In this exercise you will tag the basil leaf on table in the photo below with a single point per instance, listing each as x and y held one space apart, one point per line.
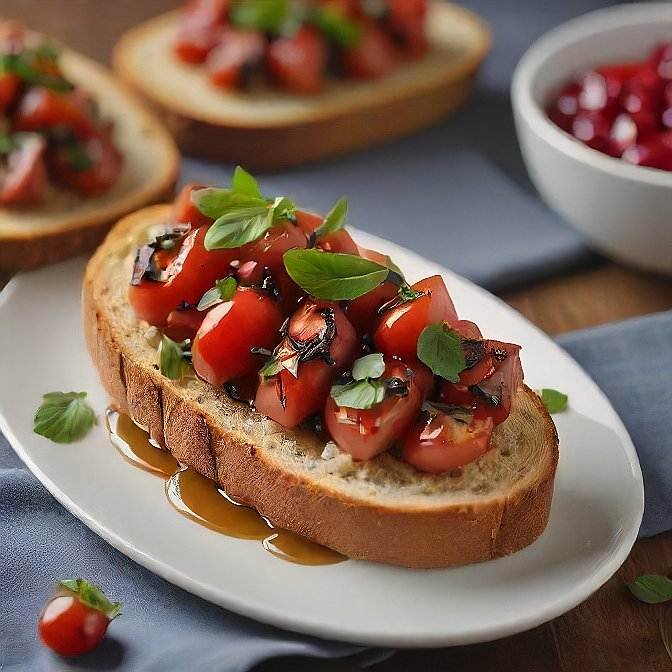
651 588
440 348
64 417
333 276
555 401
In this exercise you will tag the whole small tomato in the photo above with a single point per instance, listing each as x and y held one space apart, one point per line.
74 621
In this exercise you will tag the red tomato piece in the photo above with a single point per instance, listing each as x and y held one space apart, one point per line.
363 311
441 443
399 328
299 62
364 433
185 211
40 109
183 324
23 179
373 56
341 241
321 331
230 61
191 270
9 87
406 20
200 29
222 349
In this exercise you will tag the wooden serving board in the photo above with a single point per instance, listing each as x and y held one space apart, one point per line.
269 129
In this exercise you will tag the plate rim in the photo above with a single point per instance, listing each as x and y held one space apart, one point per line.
372 637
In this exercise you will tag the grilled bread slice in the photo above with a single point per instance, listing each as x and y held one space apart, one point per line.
269 129
68 224
381 510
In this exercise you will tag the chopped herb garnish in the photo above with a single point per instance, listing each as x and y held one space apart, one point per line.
555 401
8 143
367 387
172 358
222 291
440 348
37 67
337 28
267 16
64 417
334 220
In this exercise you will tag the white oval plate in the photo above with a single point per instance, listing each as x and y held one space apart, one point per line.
597 507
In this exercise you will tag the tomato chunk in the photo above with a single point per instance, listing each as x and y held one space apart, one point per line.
365 433
43 109
200 29
341 241
185 211
299 62
230 61
399 328
222 349
183 324
373 56
23 178
9 87
320 343
406 21
441 442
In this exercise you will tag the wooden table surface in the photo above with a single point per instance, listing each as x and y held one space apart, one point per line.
610 631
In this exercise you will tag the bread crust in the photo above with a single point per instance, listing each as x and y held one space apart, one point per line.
69 231
410 536
310 132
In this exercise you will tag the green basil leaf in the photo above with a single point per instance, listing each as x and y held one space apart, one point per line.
64 417
338 28
332 276
271 368
171 358
440 348
8 143
28 65
652 588
261 15
555 401
214 202
222 291
283 208
369 366
93 596
227 288
360 394
243 183
335 219
239 227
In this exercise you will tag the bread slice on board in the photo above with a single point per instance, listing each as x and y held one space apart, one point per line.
68 224
381 510
268 129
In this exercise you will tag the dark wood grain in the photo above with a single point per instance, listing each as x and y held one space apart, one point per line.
610 631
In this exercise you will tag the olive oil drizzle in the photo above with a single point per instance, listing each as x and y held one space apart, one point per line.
200 499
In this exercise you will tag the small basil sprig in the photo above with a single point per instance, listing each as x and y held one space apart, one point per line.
8 143
267 16
173 358
91 595
336 27
64 417
28 65
555 401
651 588
334 220
440 348
222 291
333 276
367 387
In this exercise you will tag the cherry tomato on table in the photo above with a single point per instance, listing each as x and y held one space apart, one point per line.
75 620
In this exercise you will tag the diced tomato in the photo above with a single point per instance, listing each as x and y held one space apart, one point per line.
441 442
9 87
406 20
299 62
183 324
238 51
363 311
222 349
23 178
99 172
364 433
185 211
200 29
467 329
191 270
42 109
399 328
321 331
373 56
341 241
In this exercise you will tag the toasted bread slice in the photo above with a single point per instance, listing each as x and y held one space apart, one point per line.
67 224
267 128
381 510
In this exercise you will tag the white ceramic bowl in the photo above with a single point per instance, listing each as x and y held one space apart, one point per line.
625 211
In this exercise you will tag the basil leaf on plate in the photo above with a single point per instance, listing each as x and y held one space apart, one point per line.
555 401
440 348
92 595
222 291
360 394
651 588
369 366
333 276
335 219
64 417
171 358
243 183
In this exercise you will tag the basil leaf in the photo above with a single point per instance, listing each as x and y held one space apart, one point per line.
333 276
440 348
8 143
243 183
64 417
337 28
261 15
171 358
652 588
213 202
369 366
29 66
360 394
239 227
93 596
555 401
335 219
272 368
222 291
283 208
